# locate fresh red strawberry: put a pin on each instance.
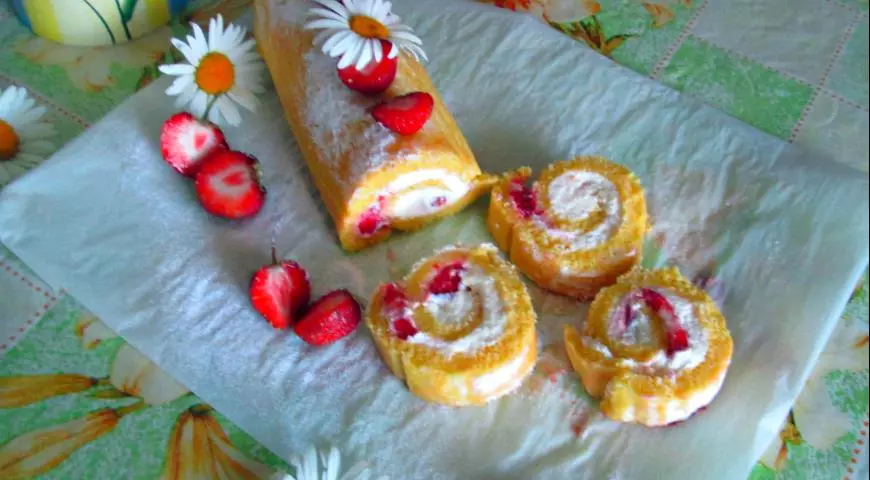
(404, 328)
(676, 336)
(447, 279)
(185, 142)
(523, 198)
(406, 114)
(330, 318)
(279, 290)
(375, 77)
(227, 185)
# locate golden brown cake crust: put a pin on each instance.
(353, 162)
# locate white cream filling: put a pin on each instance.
(427, 200)
(640, 333)
(491, 327)
(450, 308)
(574, 196)
(493, 381)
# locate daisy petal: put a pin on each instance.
(365, 55)
(185, 50)
(324, 23)
(333, 464)
(329, 14)
(177, 69)
(408, 37)
(333, 5)
(199, 103)
(244, 98)
(185, 97)
(378, 51)
(179, 85)
(324, 34)
(329, 46)
(350, 56)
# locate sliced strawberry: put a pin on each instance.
(375, 77)
(279, 290)
(676, 337)
(394, 297)
(447, 279)
(333, 316)
(396, 307)
(404, 328)
(523, 198)
(372, 221)
(678, 340)
(185, 142)
(406, 114)
(227, 185)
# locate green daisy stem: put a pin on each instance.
(102, 20)
(123, 21)
(208, 108)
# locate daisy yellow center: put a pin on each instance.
(9, 141)
(215, 74)
(368, 27)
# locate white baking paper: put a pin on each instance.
(108, 221)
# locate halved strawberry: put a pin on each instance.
(375, 77)
(333, 316)
(279, 290)
(405, 114)
(447, 279)
(228, 185)
(185, 141)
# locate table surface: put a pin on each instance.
(77, 402)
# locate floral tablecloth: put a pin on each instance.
(77, 402)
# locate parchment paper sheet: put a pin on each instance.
(109, 222)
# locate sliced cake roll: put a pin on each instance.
(459, 329)
(654, 348)
(576, 229)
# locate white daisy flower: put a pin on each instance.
(320, 466)
(353, 30)
(22, 135)
(221, 71)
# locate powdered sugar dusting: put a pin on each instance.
(574, 196)
(340, 122)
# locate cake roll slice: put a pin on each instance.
(576, 229)
(459, 329)
(655, 348)
(372, 180)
